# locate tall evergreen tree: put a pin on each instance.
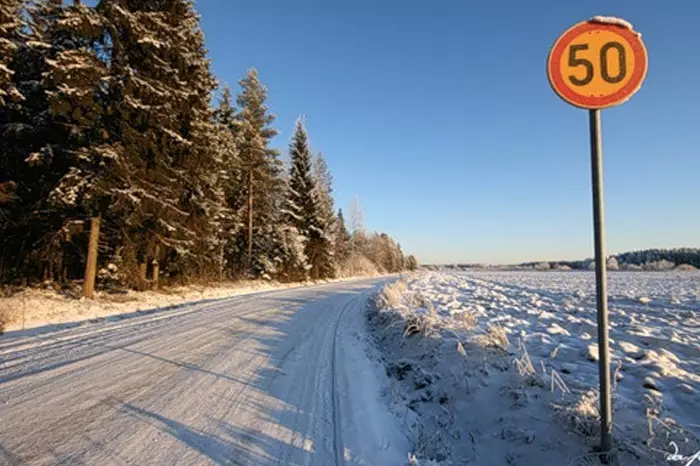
(305, 207)
(37, 145)
(10, 41)
(262, 171)
(76, 91)
(324, 186)
(162, 127)
(232, 181)
(302, 200)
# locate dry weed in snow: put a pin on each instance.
(392, 294)
(7, 317)
(495, 337)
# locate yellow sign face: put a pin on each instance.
(597, 65)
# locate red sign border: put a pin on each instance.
(563, 91)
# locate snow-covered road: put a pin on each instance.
(270, 378)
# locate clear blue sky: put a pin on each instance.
(438, 114)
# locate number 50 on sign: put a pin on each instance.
(596, 65)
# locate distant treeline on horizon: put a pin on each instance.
(648, 259)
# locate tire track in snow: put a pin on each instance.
(337, 425)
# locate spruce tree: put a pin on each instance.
(37, 152)
(231, 181)
(162, 124)
(324, 182)
(302, 200)
(324, 186)
(305, 209)
(74, 84)
(10, 40)
(263, 185)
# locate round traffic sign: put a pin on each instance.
(597, 64)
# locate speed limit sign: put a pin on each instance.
(594, 65)
(597, 64)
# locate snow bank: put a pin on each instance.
(501, 367)
(35, 307)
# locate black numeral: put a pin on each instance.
(573, 61)
(622, 56)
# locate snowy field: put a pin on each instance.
(501, 367)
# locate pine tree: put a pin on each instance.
(10, 37)
(262, 170)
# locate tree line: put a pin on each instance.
(106, 124)
(647, 259)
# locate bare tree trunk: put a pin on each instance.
(91, 264)
(250, 221)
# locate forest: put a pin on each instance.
(111, 136)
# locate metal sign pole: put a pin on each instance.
(601, 282)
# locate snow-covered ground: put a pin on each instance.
(37, 307)
(501, 367)
(275, 378)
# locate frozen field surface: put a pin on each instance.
(525, 345)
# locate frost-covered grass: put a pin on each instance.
(515, 353)
(7, 317)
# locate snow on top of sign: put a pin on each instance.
(613, 20)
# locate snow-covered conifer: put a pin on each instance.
(263, 188)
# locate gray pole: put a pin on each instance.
(601, 283)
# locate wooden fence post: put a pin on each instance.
(143, 269)
(156, 268)
(91, 264)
